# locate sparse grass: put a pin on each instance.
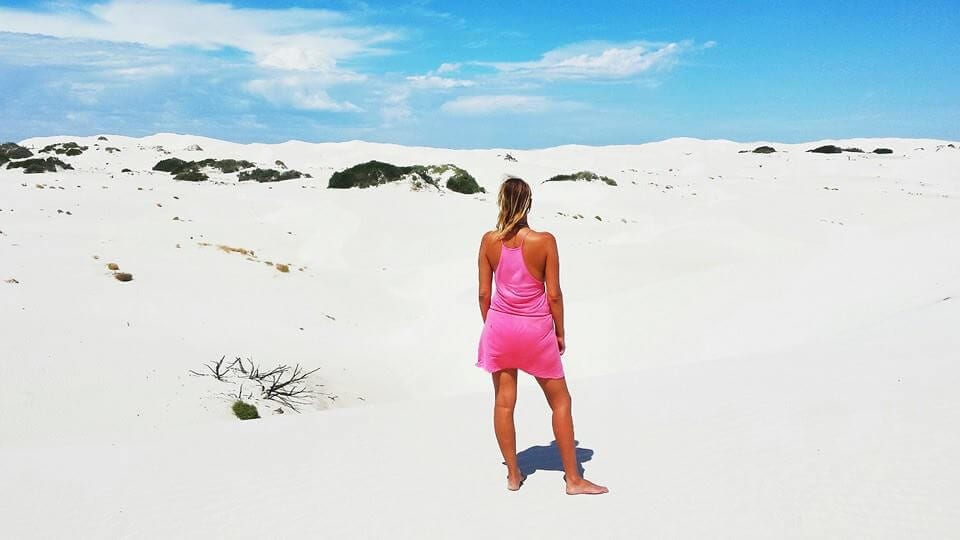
(113, 266)
(244, 410)
(123, 276)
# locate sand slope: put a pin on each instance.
(759, 345)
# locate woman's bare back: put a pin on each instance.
(536, 249)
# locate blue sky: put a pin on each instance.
(481, 74)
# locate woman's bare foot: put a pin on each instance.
(583, 486)
(514, 481)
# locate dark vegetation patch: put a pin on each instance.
(191, 175)
(123, 276)
(826, 149)
(764, 150)
(69, 148)
(192, 170)
(854, 150)
(582, 176)
(39, 165)
(245, 411)
(375, 173)
(226, 165)
(882, 151)
(10, 151)
(269, 175)
(101, 138)
(172, 165)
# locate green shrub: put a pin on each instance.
(69, 148)
(225, 165)
(582, 176)
(369, 174)
(826, 149)
(764, 150)
(10, 151)
(268, 175)
(191, 175)
(462, 182)
(173, 165)
(375, 173)
(882, 151)
(245, 411)
(39, 165)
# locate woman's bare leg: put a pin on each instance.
(558, 397)
(505, 400)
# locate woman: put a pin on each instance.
(523, 329)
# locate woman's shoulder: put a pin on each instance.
(541, 236)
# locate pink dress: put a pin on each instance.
(519, 332)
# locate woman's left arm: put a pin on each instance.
(486, 277)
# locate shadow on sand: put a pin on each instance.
(547, 458)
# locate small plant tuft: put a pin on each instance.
(244, 410)
(113, 266)
(123, 276)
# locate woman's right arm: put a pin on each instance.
(554, 295)
(486, 277)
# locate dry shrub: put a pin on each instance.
(113, 266)
(242, 251)
(123, 276)
(283, 267)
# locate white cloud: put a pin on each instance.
(487, 104)
(434, 81)
(395, 108)
(597, 60)
(448, 67)
(288, 39)
(298, 92)
(144, 72)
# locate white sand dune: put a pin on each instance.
(759, 345)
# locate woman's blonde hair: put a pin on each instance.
(514, 199)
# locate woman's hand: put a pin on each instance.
(561, 344)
